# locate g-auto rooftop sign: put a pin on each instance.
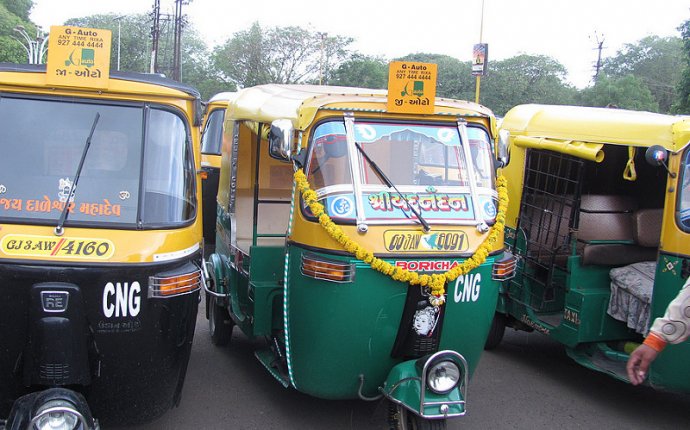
(78, 57)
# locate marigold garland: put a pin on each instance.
(435, 282)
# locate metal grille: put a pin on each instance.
(548, 212)
(54, 373)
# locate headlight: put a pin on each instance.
(443, 377)
(57, 415)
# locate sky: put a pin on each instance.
(568, 31)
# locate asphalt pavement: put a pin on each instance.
(527, 382)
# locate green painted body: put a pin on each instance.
(338, 331)
(579, 319)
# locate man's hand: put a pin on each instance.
(639, 362)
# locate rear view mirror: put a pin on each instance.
(656, 155)
(502, 150)
(280, 139)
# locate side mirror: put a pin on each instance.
(280, 139)
(502, 149)
(657, 155)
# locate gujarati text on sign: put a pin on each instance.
(411, 87)
(78, 57)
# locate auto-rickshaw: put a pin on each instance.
(365, 246)
(601, 229)
(211, 142)
(100, 243)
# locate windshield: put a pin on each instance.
(43, 141)
(426, 162)
(684, 194)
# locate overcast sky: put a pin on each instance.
(568, 31)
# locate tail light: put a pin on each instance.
(175, 285)
(328, 270)
(504, 268)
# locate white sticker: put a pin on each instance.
(176, 254)
(121, 299)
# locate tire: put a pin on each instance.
(399, 418)
(220, 324)
(498, 328)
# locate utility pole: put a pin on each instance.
(321, 65)
(180, 22)
(119, 19)
(155, 35)
(600, 47)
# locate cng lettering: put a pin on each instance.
(121, 299)
(467, 288)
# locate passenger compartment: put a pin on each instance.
(612, 231)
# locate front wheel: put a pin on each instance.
(219, 322)
(498, 328)
(401, 418)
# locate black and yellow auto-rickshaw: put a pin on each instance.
(100, 243)
(211, 143)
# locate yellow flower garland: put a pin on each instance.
(435, 282)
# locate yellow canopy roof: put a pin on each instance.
(299, 103)
(598, 125)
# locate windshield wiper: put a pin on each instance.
(384, 178)
(59, 231)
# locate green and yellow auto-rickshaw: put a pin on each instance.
(601, 229)
(100, 240)
(364, 245)
(211, 142)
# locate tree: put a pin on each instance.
(240, 60)
(628, 92)
(279, 55)
(361, 71)
(525, 79)
(655, 61)
(14, 13)
(136, 46)
(134, 38)
(197, 67)
(682, 103)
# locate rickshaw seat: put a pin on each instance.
(612, 231)
(647, 227)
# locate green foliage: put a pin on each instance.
(656, 61)
(134, 39)
(14, 13)
(240, 61)
(525, 79)
(279, 55)
(650, 74)
(19, 8)
(361, 71)
(627, 92)
(682, 103)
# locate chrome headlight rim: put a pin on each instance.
(54, 407)
(448, 381)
